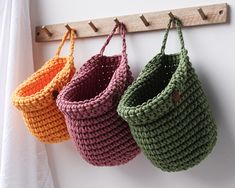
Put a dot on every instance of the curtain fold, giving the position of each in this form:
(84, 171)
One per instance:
(23, 160)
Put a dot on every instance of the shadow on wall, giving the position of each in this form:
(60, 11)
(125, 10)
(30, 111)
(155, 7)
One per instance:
(219, 167)
(140, 172)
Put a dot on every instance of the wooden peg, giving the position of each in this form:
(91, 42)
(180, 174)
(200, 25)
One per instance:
(171, 15)
(144, 20)
(44, 28)
(69, 29)
(216, 14)
(116, 21)
(93, 26)
(202, 14)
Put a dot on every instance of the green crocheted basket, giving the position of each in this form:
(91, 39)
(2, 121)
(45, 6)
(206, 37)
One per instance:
(168, 112)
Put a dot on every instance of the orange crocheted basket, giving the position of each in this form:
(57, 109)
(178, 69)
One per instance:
(36, 96)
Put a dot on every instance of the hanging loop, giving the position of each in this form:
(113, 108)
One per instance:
(71, 34)
(179, 31)
(122, 31)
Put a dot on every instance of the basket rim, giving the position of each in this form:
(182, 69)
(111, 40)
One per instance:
(45, 91)
(64, 104)
(140, 108)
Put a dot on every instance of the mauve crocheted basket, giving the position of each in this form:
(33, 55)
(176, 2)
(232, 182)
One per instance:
(89, 103)
(168, 112)
(36, 96)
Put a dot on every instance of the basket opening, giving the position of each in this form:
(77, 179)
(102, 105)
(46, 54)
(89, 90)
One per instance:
(96, 79)
(43, 78)
(156, 81)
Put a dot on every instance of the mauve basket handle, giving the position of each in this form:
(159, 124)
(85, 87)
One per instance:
(122, 31)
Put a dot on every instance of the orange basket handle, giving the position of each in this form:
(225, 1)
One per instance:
(71, 32)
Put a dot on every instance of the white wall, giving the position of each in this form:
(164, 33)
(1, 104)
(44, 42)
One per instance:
(211, 49)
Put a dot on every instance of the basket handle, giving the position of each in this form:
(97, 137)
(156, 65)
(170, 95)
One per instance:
(71, 32)
(179, 31)
(122, 31)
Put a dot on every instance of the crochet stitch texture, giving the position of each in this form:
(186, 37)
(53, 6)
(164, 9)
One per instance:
(89, 103)
(35, 97)
(168, 112)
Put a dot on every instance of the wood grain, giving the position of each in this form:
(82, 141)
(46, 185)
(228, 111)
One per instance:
(216, 14)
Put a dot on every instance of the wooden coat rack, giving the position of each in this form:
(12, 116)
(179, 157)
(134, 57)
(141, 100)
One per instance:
(193, 16)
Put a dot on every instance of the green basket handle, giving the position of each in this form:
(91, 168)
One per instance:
(179, 31)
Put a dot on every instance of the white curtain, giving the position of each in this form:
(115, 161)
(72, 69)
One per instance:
(23, 160)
